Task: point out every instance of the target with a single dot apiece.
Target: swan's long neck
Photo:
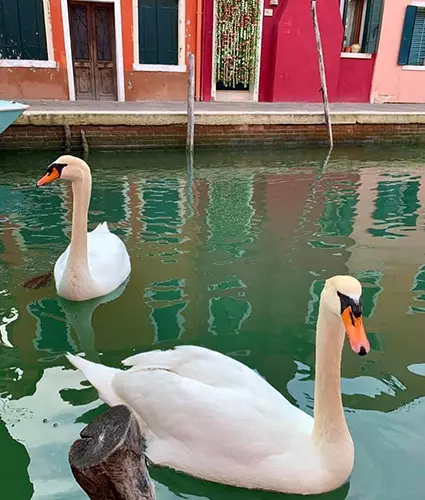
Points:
(78, 257)
(329, 421)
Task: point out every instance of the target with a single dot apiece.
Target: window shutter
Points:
(168, 31)
(22, 30)
(372, 26)
(406, 37)
(10, 47)
(148, 32)
(417, 45)
(33, 30)
(158, 31)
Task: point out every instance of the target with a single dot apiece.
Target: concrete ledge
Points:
(136, 125)
(211, 118)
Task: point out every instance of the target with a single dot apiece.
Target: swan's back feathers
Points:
(198, 363)
(101, 228)
(100, 376)
(208, 415)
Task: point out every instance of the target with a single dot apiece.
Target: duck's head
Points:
(342, 297)
(65, 167)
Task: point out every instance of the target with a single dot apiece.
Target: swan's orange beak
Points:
(48, 177)
(355, 332)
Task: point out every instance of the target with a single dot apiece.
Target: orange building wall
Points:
(154, 86)
(40, 83)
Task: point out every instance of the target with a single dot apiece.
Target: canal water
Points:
(231, 255)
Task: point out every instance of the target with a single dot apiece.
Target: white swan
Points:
(210, 416)
(95, 263)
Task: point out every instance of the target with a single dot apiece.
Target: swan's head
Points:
(66, 167)
(342, 297)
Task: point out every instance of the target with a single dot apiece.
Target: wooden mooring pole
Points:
(322, 72)
(108, 461)
(190, 104)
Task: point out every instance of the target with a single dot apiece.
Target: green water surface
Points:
(231, 255)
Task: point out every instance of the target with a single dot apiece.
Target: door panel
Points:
(105, 51)
(93, 50)
(81, 51)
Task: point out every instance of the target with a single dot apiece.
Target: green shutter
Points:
(417, 45)
(158, 31)
(22, 30)
(148, 32)
(406, 38)
(167, 31)
(372, 26)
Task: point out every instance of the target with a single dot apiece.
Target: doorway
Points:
(237, 32)
(93, 50)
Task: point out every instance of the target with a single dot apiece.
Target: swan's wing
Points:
(185, 416)
(109, 262)
(199, 363)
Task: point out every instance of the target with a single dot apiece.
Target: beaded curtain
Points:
(237, 26)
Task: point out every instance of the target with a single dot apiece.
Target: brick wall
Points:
(24, 137)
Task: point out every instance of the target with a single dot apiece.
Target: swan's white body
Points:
(210, 416)
(108, 265)
(95, 263)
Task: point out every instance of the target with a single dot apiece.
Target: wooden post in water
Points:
(67, 130)
(190, 103)
(108, 461)
(322, 72)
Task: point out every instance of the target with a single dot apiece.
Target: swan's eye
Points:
(56, 166)
(346, 301)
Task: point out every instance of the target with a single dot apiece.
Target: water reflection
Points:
(229, 253)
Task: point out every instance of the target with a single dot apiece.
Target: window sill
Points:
(413, 68)
(178, 68)
(355, 55)
(26, 63)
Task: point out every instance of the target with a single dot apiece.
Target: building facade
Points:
(400, 64)
(281, 52)
(95, 49)
(253, 50)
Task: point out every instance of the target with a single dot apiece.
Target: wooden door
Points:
(93, 50)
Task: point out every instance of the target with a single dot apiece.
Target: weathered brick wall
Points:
(23, 137)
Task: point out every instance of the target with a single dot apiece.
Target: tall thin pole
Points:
(322, 72)
(190, 104)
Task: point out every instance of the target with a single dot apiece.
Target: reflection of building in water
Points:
(52, 333)
(388, 250)
(229, 217)
(14, 478)
(252, 259)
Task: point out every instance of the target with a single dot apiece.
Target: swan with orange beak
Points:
(95, 263)
(212, 417)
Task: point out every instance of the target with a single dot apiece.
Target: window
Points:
(159, 38)
(396, 208)
(167, 302)
(339, 211)
(22, 30)
(362, 25)
(412, 47)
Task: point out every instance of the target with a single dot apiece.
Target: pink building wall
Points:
(392, 83)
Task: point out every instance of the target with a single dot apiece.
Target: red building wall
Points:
(289, 70)
(355, 80)
(289, 65)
